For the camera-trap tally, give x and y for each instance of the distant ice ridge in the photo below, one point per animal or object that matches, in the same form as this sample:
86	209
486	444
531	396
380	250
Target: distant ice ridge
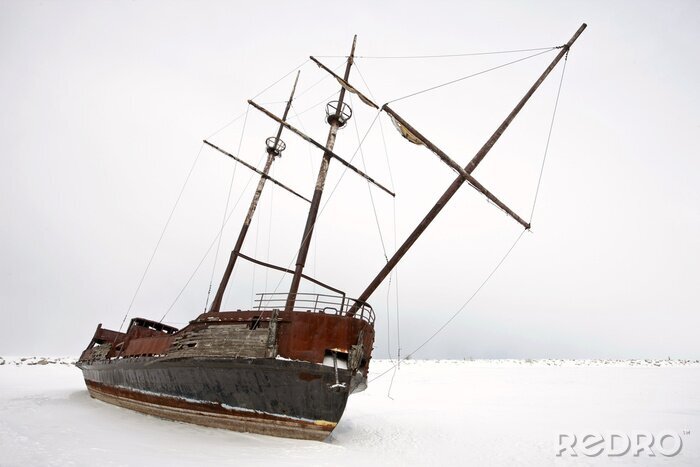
542	362
549	362
38	360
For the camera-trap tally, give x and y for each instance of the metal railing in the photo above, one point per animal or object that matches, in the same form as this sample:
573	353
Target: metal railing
315	302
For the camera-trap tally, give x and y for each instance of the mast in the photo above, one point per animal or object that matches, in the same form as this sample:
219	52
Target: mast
336	120
459	181
275	146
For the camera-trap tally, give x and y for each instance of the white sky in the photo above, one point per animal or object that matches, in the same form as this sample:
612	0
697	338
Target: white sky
106	103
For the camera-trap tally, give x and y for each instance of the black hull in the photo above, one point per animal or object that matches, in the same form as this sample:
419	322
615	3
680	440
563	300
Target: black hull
261	395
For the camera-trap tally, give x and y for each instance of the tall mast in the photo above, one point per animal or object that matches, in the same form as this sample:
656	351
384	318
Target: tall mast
336	120
459	181
275	146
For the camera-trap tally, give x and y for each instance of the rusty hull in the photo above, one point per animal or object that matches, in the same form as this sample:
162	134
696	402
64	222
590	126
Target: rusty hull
253	371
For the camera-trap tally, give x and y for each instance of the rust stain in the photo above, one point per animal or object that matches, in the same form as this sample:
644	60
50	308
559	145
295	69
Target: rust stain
308	376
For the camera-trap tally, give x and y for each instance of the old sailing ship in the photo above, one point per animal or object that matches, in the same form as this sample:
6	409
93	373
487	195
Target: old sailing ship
286	367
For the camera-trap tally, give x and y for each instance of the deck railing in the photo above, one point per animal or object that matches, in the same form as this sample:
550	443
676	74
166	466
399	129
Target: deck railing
315	302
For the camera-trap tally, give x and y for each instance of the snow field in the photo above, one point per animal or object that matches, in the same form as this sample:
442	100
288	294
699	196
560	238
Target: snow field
472	412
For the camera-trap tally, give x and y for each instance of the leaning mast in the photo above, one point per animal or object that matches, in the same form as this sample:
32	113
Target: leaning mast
337	117
275	146
464	175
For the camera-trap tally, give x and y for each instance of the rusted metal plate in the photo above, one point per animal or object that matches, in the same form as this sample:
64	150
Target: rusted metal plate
305	336
154	345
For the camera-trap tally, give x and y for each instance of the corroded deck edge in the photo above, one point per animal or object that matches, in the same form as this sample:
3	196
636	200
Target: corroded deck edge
211	415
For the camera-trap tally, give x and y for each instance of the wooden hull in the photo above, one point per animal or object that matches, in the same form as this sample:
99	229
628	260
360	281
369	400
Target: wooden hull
270	372
266	396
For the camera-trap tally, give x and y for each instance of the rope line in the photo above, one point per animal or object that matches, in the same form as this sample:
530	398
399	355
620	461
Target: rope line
472	75
549	136
498	265
255	266
459	310
345	170
467	54
257	95
162	234
322	101
311	179
394	275
269	229
223	218
388	320
227	218
323	207
369	188
381	129
238	117
239	198
289	73
325	77
211	245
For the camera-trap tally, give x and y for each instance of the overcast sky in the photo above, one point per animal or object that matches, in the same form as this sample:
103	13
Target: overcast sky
105	105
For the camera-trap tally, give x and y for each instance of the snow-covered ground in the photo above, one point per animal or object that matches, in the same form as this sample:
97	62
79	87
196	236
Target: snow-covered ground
475	412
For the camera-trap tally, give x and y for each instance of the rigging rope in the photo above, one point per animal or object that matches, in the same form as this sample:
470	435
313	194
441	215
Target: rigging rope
323	101
345	170
369	188
289	73
255	255
183	188
379	228
228	199
229	215
227	125
323	207
211	245
381	129
162	234
394	275
459	310
269	229
325	77
311	172
472	75
441	328
549	136
468	54
257	95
